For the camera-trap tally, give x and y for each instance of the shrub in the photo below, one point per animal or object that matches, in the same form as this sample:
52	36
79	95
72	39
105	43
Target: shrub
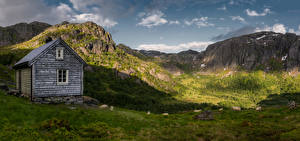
56	124
97	130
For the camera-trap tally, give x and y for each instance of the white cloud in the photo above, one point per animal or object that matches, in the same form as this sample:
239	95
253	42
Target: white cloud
94	10
242	2
65	12
95	18
200	22
297	31
278	28
154	18
238	18
197	46
254	13
174	22
222	8
101	12
81	4
13	11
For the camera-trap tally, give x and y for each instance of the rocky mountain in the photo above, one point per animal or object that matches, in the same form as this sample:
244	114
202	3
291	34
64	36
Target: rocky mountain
263	50
20	32
266	51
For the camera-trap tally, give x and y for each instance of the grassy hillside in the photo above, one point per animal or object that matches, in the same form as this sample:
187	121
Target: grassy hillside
244	89
22	120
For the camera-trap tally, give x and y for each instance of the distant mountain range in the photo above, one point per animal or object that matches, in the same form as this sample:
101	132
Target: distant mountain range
266	51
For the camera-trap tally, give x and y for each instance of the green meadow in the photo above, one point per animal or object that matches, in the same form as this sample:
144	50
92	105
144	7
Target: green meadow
23	120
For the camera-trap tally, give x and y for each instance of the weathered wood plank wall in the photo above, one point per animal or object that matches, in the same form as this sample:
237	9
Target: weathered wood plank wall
45	74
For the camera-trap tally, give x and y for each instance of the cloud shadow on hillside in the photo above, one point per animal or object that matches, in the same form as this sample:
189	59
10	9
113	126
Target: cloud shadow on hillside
133	93
280	99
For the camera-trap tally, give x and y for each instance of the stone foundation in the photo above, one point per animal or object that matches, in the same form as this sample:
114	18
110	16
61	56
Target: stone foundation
60	99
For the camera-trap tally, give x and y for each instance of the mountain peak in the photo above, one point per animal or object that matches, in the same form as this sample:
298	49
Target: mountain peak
189	52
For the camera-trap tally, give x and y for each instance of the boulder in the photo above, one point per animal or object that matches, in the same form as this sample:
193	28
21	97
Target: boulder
197	111
258	108
165	114
103	106
90	101
72	108
206	115
292	105
221	109
235	108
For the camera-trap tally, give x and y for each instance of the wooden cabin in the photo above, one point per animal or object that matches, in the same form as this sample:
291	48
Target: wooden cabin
52	73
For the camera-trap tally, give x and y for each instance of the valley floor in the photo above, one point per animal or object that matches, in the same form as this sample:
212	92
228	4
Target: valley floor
23	120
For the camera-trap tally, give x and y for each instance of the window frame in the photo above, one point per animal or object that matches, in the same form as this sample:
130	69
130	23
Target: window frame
59	53
62	77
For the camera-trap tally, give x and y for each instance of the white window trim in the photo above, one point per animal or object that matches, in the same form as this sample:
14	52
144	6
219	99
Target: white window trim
67	77
61	57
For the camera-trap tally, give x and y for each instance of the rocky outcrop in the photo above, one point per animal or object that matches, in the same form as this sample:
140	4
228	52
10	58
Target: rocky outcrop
263	50
20	32
89	37
206	115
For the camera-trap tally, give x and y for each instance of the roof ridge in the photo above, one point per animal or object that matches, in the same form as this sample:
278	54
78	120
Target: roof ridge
34	53
30	58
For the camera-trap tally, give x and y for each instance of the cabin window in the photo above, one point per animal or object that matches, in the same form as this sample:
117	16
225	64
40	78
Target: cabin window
62	77
59	53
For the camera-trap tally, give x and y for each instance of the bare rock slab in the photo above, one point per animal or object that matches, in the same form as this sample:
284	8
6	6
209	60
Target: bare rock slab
206	115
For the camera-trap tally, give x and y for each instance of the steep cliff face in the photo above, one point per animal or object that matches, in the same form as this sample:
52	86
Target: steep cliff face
263	50
20	32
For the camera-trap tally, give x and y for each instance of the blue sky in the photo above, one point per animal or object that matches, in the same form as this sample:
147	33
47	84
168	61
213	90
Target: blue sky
164	25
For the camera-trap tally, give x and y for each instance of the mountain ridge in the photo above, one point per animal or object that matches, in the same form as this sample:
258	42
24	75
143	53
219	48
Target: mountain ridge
268	51
20	32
